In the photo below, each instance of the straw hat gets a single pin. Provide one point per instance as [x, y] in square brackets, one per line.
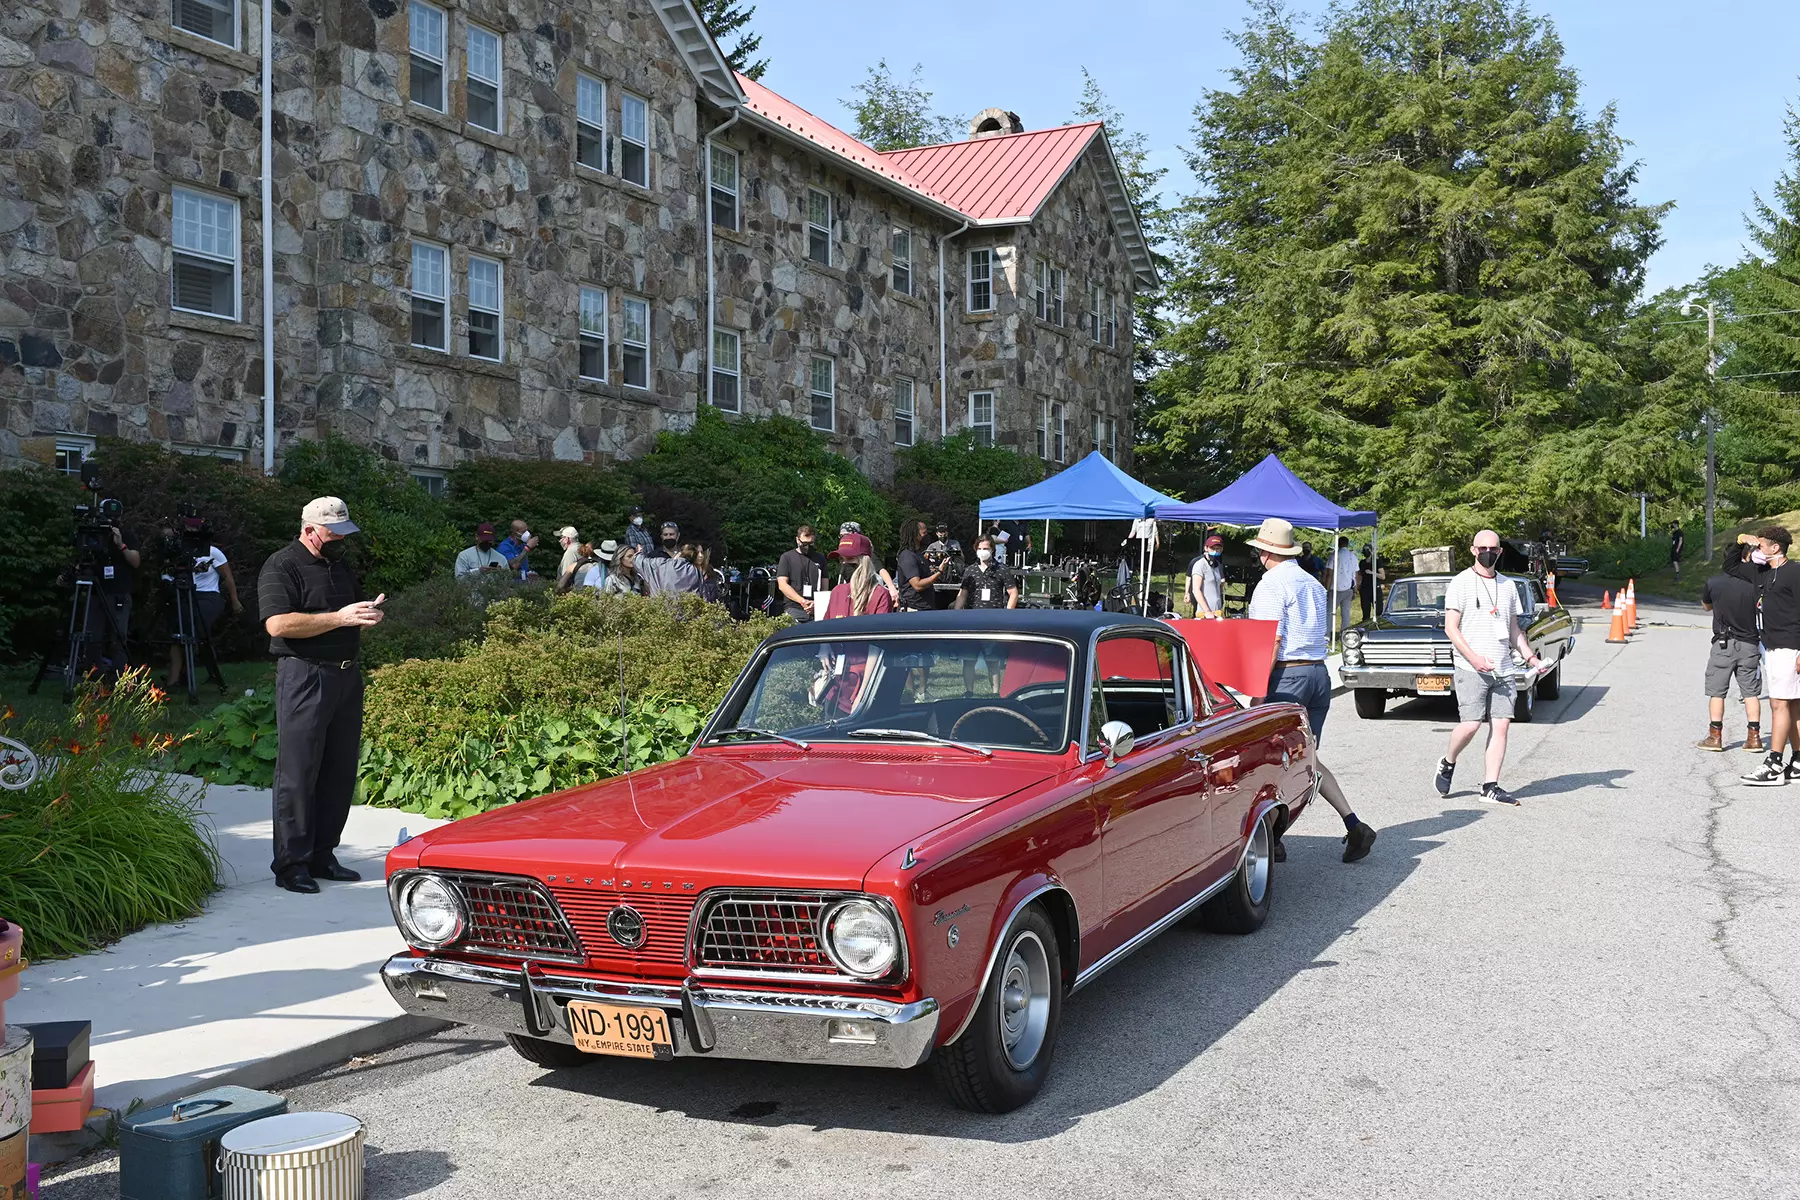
[1276, 537]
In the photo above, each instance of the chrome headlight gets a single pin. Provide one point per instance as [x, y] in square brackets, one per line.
[861, 938]
[1352, 637]
[430, 913]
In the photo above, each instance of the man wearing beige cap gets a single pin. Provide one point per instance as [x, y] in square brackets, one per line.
[313, 610]
[571, 544]
[1296, 602]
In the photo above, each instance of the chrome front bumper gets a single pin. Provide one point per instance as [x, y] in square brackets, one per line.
[1393, 679]
[851, 1031]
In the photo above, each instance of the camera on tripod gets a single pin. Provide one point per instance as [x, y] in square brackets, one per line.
[188, 542]
[96, 523]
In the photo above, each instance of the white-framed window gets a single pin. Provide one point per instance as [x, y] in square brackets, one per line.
[634, 139]
[430, 296]
[1059, 433]
[726, 367]
[1048, 292]
[1043, 430]
[427, 84]
[823, 388]
[482, 80]
[981, 417]
[1112, 440]
[902, 244]
[1094, 440]
[981, 281]
[487, 287]
[72, 449]
[1094, 314]
[198, 450]
[590, 122]
[214, 20]
[725, 187]
[434, 481]
[1112, 323]
[635, 340]
[818, 226]
[904, 391]
[204, 234]
[593, 334]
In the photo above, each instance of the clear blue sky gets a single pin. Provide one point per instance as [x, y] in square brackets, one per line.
[1700, 87]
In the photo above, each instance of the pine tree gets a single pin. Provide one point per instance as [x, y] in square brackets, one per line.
[1407, 270]
[894, 114]
[726, 17]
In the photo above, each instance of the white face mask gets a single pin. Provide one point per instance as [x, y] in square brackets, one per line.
[637, 520]
[984, 555]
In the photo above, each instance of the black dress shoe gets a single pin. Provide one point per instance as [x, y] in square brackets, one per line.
[336, 872]
[297, 880]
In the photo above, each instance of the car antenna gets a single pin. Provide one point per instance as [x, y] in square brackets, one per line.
[624, 727]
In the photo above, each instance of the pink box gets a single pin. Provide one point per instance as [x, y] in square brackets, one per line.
[62, 1110]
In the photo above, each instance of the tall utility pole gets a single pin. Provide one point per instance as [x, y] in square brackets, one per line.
[1643, 514]
[1711, 419]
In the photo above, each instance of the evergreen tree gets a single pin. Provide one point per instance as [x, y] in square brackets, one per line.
[894, 114]
[1408, 271]
[726, 17]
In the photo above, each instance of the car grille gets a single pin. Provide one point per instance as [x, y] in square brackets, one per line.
[1407, 654]
[766, 931]
[513, 918]
[664, 951]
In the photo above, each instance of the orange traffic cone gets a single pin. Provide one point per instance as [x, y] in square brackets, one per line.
[1550, 591]
[1631, 604]
[1605, 599]
[1617, 634]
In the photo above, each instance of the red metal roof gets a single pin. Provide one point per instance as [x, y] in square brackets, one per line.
[784, 112]
[1001, 178]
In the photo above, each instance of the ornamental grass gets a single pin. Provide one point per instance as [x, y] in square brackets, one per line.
[103, 841]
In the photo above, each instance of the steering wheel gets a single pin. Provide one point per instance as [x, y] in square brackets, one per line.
[1004, 711]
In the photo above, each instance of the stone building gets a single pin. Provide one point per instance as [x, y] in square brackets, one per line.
[491, 229]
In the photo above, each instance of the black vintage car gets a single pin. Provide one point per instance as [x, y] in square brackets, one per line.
[1405, 651]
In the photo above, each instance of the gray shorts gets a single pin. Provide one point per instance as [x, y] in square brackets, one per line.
[1482, 697]
[1743, 659]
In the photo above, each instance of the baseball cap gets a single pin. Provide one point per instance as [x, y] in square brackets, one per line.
[567, 531]
[1214, 540]
[637, 510]
[484, 527]
[330, 513]
[852, 545]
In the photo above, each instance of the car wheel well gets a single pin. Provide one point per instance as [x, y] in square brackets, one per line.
[1060, 908]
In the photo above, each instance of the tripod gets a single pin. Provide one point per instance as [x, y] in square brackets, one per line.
[191, 633]
[84, 642]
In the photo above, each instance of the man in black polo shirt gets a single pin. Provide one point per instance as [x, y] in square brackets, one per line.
[313, 610]
[799, 575]
[1731, 598]
[1781, 654]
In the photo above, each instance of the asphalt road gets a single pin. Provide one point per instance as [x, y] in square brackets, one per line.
[1596, 994]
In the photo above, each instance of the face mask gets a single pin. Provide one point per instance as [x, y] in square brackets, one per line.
[637, 520]
[671, 543]
[984, 555]
[333, 551]
[486, 543]
[1487, 556]
[1759, 558]
[1214, 555]
[805, 547]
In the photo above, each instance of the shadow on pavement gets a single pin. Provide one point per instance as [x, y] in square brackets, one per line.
[1575, 781]
[1124, 1036]
[405, 1172]
[1576, 701]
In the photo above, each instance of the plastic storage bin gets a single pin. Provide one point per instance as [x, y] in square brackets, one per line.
[172, 1152]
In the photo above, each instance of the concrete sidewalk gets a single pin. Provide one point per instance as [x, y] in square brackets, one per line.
[263, 985]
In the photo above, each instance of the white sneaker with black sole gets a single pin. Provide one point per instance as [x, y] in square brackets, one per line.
[1770, 774]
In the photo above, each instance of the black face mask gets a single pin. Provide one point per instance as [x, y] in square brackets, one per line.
[671, 543]
[1487, 556]
[333, 552]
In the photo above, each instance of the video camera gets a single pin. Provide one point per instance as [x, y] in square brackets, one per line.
[189, 541]
[96, 522]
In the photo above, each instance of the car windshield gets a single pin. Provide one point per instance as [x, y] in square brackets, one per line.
[1001, 692]
[1427, 595]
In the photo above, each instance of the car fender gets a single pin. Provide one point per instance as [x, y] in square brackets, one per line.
[1029, 887]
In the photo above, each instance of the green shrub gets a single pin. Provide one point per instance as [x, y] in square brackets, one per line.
[440, 617]
[755, 481]
[234, 743]
[528, 754]
[99, 844]
[546, 496]
[948, 480]
[1629, 558]
[36, 506]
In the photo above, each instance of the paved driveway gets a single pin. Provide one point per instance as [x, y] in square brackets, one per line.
[1597, 994]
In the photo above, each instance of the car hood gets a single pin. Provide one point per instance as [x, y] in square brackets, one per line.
[758, 818]
[1412, 622]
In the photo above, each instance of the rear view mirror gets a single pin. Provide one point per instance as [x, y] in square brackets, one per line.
[1118, 739]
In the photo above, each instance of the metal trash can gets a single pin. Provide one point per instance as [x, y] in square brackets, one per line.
[296, 1156]
[169, 1152]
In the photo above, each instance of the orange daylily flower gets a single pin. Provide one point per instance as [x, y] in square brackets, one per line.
[137, 739]
[74, 747]
[9, 714]
[103, 722]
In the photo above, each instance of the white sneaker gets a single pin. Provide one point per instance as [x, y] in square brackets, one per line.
[1770, 774]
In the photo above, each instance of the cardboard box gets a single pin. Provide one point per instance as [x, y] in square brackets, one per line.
[62, 1110]
[58, 1053]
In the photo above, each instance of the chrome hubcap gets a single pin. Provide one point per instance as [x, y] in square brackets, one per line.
[1024, 1001]
[1256, 863]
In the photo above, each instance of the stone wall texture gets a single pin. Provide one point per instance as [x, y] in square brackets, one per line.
[105, 107]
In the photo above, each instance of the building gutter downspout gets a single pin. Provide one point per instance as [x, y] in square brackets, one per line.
[712, 308]
[268, 236]
[944, 336]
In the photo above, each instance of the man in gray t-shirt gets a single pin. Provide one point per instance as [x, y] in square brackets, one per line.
[1481, 615]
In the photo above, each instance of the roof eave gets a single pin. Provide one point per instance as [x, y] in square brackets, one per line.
[913, 195]
[1125, 218]
[705, 61]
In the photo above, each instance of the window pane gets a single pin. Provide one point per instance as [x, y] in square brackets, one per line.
[484, 284]
[818, 209]
[593, 357]
[484, 334]
[725, 351]
[636, 367]
[634, 164]
[210, 19]
[428, 323]
[484, 105]
[427, 86]
[724, 208]
[590, 101]
[205, 225]
[637, 321]
[202, 285]
[593, 311]
[724, 170]
[427, 31]
[725, 391]
[484, 55]
[428, 271]
[821, 375]
[634, 119]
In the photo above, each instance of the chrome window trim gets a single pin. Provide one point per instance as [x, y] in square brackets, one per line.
[832, 897]
[400, 878]
[1186, 725]
[987, 972]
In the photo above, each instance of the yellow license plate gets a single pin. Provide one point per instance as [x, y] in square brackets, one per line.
[623, 1029]
[1434, 683]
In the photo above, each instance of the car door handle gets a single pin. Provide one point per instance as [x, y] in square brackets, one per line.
[1199, 758]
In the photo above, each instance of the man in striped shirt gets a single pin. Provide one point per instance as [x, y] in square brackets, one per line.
[1295, 601]
[1481, 615]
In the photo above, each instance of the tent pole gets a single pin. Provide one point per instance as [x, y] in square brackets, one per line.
[1375, 568]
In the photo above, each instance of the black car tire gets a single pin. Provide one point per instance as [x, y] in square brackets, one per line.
[1549, 687]
[1371, 703]
[1244, 904]
[974, 1070]
[554, 1055]
[1522, 705]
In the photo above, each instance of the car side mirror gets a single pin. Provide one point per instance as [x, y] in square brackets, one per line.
[1118, 739]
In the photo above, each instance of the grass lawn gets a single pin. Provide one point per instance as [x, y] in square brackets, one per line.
[46, 708]
[1694, 568]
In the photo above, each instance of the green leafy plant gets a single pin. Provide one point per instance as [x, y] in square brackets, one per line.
[948, 480]
[36, 506]
[234, 743]
[440, 617]
[101, 843]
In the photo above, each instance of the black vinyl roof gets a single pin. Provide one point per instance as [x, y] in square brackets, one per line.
[1074, 624]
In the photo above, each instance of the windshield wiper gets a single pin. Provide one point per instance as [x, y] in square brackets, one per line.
[915, 735]
[753, 731]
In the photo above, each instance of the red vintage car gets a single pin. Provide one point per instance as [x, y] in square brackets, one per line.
[900, 839]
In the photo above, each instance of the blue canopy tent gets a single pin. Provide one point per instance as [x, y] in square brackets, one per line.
[1091, 490]
[1269, 489]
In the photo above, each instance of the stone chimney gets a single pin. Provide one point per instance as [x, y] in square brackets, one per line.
[994, 122]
